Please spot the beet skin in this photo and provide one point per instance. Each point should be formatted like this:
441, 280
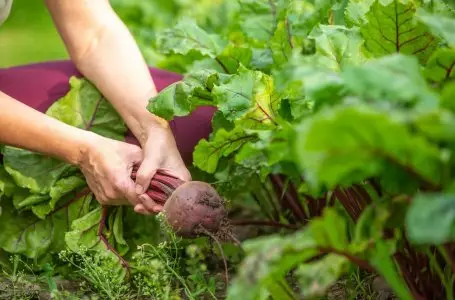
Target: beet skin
192, 205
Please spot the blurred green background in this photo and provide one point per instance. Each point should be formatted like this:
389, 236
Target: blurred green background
28, 35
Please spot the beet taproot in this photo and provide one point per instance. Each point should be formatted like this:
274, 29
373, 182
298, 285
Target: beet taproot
192, 205
190, 208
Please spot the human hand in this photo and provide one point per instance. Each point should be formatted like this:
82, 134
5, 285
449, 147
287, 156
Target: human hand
159, 153
107, 165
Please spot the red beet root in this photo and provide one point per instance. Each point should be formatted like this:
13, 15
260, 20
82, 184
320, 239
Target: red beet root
190, 208
192, 205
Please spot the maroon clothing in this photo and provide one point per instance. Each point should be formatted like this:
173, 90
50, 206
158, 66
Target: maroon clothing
40, 85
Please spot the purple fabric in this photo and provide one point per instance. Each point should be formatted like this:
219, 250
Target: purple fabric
40, 85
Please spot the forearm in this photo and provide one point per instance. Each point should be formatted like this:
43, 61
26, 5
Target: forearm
24, 127
105, 52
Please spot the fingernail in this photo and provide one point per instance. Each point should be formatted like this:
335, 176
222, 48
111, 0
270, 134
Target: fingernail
139, 189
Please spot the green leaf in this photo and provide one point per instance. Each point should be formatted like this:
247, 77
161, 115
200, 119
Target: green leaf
272, 147
84, 107
330, 231
34, 171
7, 184
362, 151
390, 28
208, 153
441, 66
448, 96
280, 289
61, 188
440, 25
309, 83
281, 44
339, 44
316, 277
270, 258
304, 15
437, 125
381, 258
116, 225
181, 98
262, 59
258, 18
24, 233
84, 231
85, 234
187, 36
231, 183
248, 98
356, 11
392, 80
431, 219
233, 57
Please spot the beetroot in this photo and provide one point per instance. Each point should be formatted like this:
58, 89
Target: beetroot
193, 207
190, 208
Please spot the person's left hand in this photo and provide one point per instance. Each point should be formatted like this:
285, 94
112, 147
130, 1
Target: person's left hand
159, 153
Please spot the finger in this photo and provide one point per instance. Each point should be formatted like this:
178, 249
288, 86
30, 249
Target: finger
180, 173
126, 187
144, 175
150, 205
140, 209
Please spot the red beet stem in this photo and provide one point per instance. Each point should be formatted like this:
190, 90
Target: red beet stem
157, 196
161, 186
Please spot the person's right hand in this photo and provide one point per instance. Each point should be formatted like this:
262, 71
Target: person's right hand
107, 165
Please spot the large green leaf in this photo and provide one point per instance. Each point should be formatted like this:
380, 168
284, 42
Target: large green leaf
7, 184
271, 148
181, 98
308, 83
356, 11
339, 44
348, 144
316, 277
441, 66
392, 80
35, 238
437, 125
281, 44
440, 25
258, 18
303, 16
85, 231
61, 188
234, 56
249, 98
208, 153
187, 37
390, 28
269, 259
34, 171
86, 108
431, 219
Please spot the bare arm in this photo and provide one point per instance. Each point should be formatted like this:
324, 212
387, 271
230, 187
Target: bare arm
104, 51
24, 127
106, 163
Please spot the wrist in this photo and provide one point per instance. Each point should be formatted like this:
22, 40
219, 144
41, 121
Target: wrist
85, 142
147, 124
